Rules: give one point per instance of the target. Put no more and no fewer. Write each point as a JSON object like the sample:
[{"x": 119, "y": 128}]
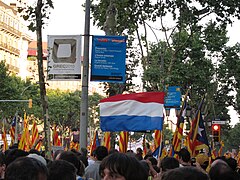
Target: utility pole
[
  {"x": 110, "y": 29},
  {"x": 42, "y": 83},
  {"x": 85, "y": 78}
]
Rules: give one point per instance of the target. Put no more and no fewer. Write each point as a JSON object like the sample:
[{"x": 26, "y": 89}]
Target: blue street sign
[
  {"x": 173, "y": 97},
  {"x": 108, "y": 58}
]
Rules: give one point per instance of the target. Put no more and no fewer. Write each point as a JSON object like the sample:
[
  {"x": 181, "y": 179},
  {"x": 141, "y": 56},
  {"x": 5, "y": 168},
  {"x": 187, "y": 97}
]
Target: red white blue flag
[{"x": 132, "y": 112}]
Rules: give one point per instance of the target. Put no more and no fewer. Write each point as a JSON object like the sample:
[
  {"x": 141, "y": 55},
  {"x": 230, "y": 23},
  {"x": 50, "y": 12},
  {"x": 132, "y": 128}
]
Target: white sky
[{"x": 67, "y": 18}]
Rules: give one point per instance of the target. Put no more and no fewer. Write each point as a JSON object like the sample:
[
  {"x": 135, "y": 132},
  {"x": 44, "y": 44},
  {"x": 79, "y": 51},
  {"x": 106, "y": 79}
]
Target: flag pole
[{"x": 160, "y": 145}]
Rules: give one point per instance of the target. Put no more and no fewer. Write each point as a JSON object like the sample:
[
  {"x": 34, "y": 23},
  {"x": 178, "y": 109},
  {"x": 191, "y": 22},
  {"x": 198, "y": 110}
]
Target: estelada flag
[
  {"x": 132, "y": 112},
  {"x": 95, "y": 142},
  {"x": 197, "y": 137}
]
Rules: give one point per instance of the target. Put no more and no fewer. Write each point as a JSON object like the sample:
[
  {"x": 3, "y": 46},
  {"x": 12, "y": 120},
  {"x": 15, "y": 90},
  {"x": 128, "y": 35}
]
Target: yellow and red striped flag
[
  {"x": 220, "y": 149},
  {"x": 12, "y": 130},
  {"x": 38, "y": 145},
  {"x": 178, "y": 134},
  {"x": 95, "y": 142},
  {"x": 106, "y": 141},
  {"x": 34, "y": 134},
  {"x": 56, "y": 139},
  {"x": 144, "y": 145},
  {"x": 123, "y": 141},
  {"x": 4, "y": 138},
  {"x": 25, "y": 137},
  {"x": 157, "y": 138},
  {"x": 74, "y": 145}
]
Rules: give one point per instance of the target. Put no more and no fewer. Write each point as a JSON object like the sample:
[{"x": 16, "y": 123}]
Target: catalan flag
[
  {"x": 12, "y": 130},
  {"x": 106, "y": 141},
  {"x": 220, "y": 149},
  {"x": 123, "y": 141},
  {"x": 38, "y": 145},
  {"x": 34, "y": 134},
  {"x": 25, "y": 137},
  {"x": 197, "y": 137},
  {"x": 160, "y": 150},
  {"x": 95, "y": 142},
  {"x": 178, "y": 134},
  {"x": 56, "y": 139},
  {"x": 157, "y": 138},
  {"x": 4, "y": 138}
]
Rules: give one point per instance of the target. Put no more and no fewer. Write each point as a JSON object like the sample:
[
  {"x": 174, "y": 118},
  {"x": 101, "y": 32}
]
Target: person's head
[
  {"x": 153, "y": 160},
  {"x": 61, "y": 170},
  {"x": 184, "y": 155},
  {"x": 168, "y": 163},
  {"x": 38, "y": 157},
  {"x": 34, "y": 151},
  {"x": 232, "y": 163},
  {"x": 123, "y": 167},
  {"x": 72, "y": 158},
  {"x": 56, "y": 153},
  {"x": 101, "y": 152},
  {"x": 26, "y": 168},
  {"x": 220, "y": 171},
  {"x": 84, "y": 151},
  {"x": 13, "y": 154},
  {"x": 139, "y": 151},
  {"x": 185, "y": 173}
]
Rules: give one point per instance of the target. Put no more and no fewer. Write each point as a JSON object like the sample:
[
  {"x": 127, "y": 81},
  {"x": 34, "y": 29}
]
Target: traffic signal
[
  {"x": 216, "y": 129},
  {"x": 30, "y": 103}
]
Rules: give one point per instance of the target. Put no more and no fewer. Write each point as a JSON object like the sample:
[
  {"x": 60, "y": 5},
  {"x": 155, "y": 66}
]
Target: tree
[
  {"x": 36, "y": 15},
  {"x": 192, "y": 52}
]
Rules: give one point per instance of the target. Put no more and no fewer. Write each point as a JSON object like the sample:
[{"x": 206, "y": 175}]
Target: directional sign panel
[
  {"x": 173, "y": 97},
  {"x": 108, "y": 58}
]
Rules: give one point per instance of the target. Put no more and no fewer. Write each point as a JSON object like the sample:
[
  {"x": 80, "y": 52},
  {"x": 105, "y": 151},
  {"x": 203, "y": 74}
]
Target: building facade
[
  {"x": 19, "y": 51},
  {"x": 13, "y": 40}
]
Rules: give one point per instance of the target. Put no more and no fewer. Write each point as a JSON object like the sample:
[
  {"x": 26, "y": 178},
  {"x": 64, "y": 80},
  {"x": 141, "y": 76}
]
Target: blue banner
[
  {"x": 108, "y": 58},
  {"x": 173, "y": 97}
]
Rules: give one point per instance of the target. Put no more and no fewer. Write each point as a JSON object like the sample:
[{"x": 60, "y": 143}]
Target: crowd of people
[{"x": 16, "y": 164}]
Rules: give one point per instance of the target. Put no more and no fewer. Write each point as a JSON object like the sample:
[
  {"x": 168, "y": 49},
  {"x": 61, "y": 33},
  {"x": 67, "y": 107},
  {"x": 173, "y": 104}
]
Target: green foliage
[
  {"x": 232, "y": 141},
  {"x": 31, "y": 13},
  {"x": 193, "y": 54}
]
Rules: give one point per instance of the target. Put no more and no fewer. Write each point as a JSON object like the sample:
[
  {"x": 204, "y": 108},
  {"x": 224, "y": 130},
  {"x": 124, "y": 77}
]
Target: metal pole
[
  {"x": 16, "y": 128},
  {"x": 84, "y": 97}
]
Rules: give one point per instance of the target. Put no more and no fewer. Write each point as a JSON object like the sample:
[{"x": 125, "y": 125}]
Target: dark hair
[
  {"x": 184, "y": 155},
  {"x": 221, "y": 171},
  {"x": 34, "y": 151},
  {"x": 25, "y": 168},
  {"x": 101, "y": 152},
  {"x": 56, "y": 153},
  {"x": 169, "y": 163},
  {"x": 13, "y": 154},
  {"x": 61, "y": 170},
  {"x": 125, "y": 165},
  {"x": 153, "y": 160},
  {"x": 232, "y": 163},
  {"x": 72, "y": 158},
  {"x": 185, "y": 173},
  {"x": 2, "y": 158}
]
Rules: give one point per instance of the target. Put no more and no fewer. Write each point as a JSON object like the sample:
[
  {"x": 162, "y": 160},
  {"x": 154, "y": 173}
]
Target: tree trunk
[{"x": 41, "y": 78}]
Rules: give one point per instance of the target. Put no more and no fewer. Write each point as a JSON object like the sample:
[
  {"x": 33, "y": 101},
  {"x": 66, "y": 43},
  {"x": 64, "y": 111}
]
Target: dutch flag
[{"x": 132, "y": 112}]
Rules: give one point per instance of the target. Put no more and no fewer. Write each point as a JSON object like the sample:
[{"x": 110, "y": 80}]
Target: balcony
[
  {"x": 10, "y": 49},
  {"x": 10, "y": 30},
  {"x": 13, "y": 68}
]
